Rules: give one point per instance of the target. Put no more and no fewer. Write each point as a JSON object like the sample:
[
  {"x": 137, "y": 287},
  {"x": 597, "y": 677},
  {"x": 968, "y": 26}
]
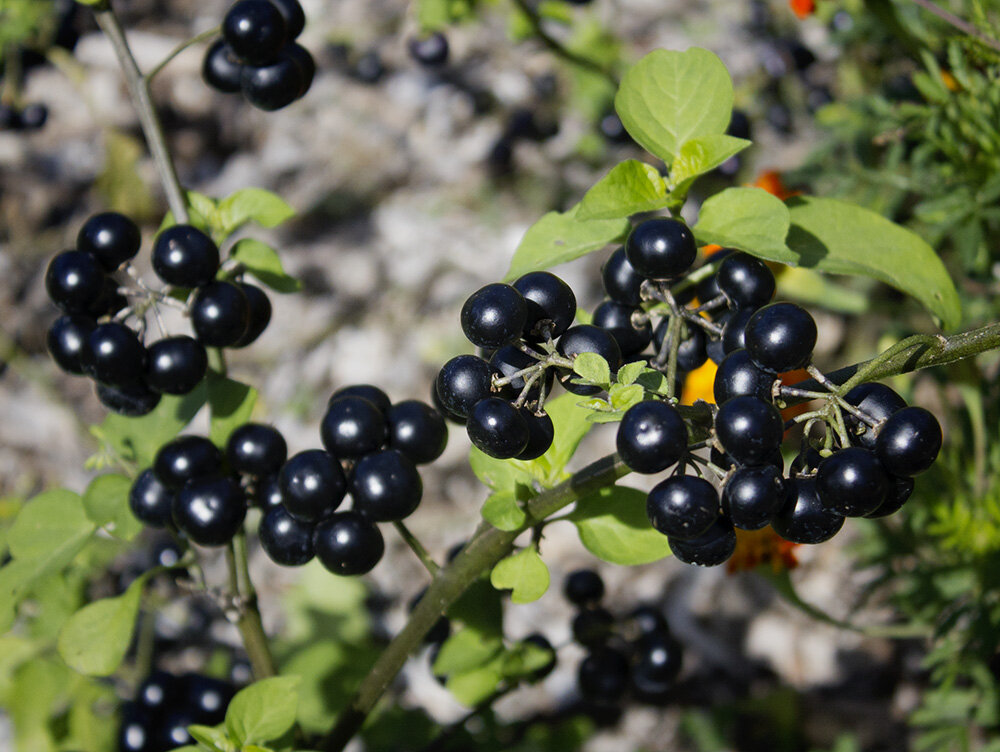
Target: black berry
[
  {"x": 875, "y": 400},
  {"x": 348, "y": 543},
  {"x": 256, "y": 449},
  {"x": 74, "y": 280},
  {"x": 150, "y": 501},
  {"x": 749, "y": 429},
  {"x": 651, "y": 437},
  {"x": 603, "y": 675},
  {"x": 803, "y": 518},
  {"x": 185, "y": 256},
  {"x": 221, "y": 69},
  {"x": 67, "y": 342},
  {"x": 780, "y": 337},
  {"x": 463, "y": 382},
  {"x": 494, "y": 315},
  {"x": 583, "y": 587},
  {"x": 691, "y": 353},
  {"x": 509, "y": 360},
  {"x": 497, "y": 428},
  {"x": 909, "y": 441},
  {"x": 752, "y": 495},
  {"x": 385, "y": 486},
  {"x": 287, "y": 541},
  {"x": 367, "y": 391},
  {"x": 114, "y": 355},
  {"x": 353, "y": 427},
  {"x": 592, "y": 339},
  {"x": 738, "y": 375},
  {"x": 551, "y": 304},
  {"x": 745, "y": 281},
  {"x": 260, "y": 313},
  {"x": 619, "y": 319},
  {"x": 417, "y": 430},
  {"x": 255, "y": 30},
  {"x": 622, "y": 282},
  {"x": 852, "y": 482},
  {"x": 220, "y": 314},
  {"x": 711, "y": 548},
  {"x": 593, "y": 626},
  {"x": 661, "y": 248},
  {"x": 295, "y": 17},
  {"x": 186, "y": 458},
  {"x": 176, "y": 365},
  {"x": 312, "y": 485},
  {"x": 210, "y": 512},
  {"x": 131, "y": 400},
  {"x": 273, "y": 85},
  {"x": 898, "y": 493},
  {"x": 683, "y": 507},
  {"x": 540, "y": 434},
  {"x": 113, "y": 238}
]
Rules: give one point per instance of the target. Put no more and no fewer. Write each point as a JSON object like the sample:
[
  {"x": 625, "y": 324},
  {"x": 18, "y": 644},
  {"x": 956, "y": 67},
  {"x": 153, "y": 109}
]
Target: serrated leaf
[
  {"x": 750, "y": 219},
  {"x": 669, "y": 97},
  {"x": 703, "y": 154},
  {"x": 840, "y": 238},
  {"x": 49, "y": 521},
  {"x": 622, "y": 397},
  {"x": 503, "y": 511},
  {"x": 263, "y": 262},
  {"x": 475, "y": 686},
  {"x": 466, "y": 650},
  {"x": 106, "y": 504},
  {"x": 629, "y": 372},
  {"x": 252, "y": 205},
  {"x": 593, "y": 368},
  {"x": 95, "y": 639},
  {"x": 631, "y": 187},
  {"x": 559, "y": 237},
  {"x": 524, "y": 573},
  {"x": 263, "y": 711},
  {"x": 612, "y": 525},
  {"x": 231, "y": 404}
]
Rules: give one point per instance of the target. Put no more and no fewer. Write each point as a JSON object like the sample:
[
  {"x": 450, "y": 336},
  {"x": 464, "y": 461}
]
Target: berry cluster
[
  {"x": 635, "y": 656},
  {"x": 29, "y": 118},
  {"x": 165, "y": 705},
  {"x": 258, "y": 56},
  {"x": 92, "y": 337}
]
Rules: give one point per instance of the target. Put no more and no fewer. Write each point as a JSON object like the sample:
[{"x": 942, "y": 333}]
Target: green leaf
[
  {"x": 476, "y": 686},
  {"x": 263, "y": 711},
  {"x": 622, "y": 397},
  {"x": 569, "y": 420},
  {"x": 613, "y": 526},
  {"x": 840, "y": 238},
  {"x": 523, "y": 659},
  {"x": 480, "y": 609},
  {"x": 631, "y": 187},
  {"x": 703, "y": 154},
  {"x": 668, "y": 98},
  {"x": 466, "y": 650},
  {"x": 106, "y": 504},
  {"x": 95, "y": 639},
  {"x": 231, "y": 403},
  {"x": 750, "y": 219},
  {"x": 503, "y": 511},
  {"x": 202, "y": 211},
  {"x": 263, "y": 262},
  {"x": 524, "y": 573},
  {"x": 50, "y": 521},
  {"x": 593, "y": 368},
  {"x": 629, "y": 372},
  {"x": 499, "y": 475},
  {"x": 560, "y": 237},
  {"x": 252, "y": 205},
  {"x": 213, "y": 737}
]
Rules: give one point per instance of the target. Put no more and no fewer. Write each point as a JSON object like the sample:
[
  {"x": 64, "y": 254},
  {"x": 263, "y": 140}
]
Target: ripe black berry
[
  {"x": 603, "y": 675},
  {"x": 74, "y": 280},
  {"x": 367, "y": 391},
  {"x": 497, "y": 428},
  {"x": 509, "y": 360},
  {"x": 210, "y": 512},
  {"x": 176, "y": 365},
  {"x": 852, "y": 482},
  {"x": 752, "y": 495},
  {"x": 613, "y": 129},
  {"x": 780, "y": 337},
  {"x": 255, "y": 30},
  {"x": 256, "y": 449},
  {"x": 593, "y": 626},
  {"x": 417, "y": 430},
  {"x": 34, "y": 116},
  {"x": 749, "y": 429},
  {"x": 745, "y": 281},
  {"x": 803, "y": 518},
  {"x": 312, "y": 485},
  {"x": 734, "y": 331},
  {"x": 385, "y": 486},
  {"x": 273, "y": 85},
  {"x": 909, "y": 442},
  {"x": 186, "y": 458},
  {"x": 260, "y": 313},
  {"x": 307, "y": 66},
  {"x": 593, "y": 339},
  {"x": 661, "y": 248},
  {"x": 651, "y": 437},
  {"x": 622, "y": 282},
  {"x": 185, "y": 256},
  {"x": 540, "y": 434},
  {"x": 114, "y": 355},
  {"x": 267, "y": 493},
  {"x": 683, "y": 506},
  {"x": 171, "y": 731},
  {"x": 348, "y": 543},
  {"x": 463, "y": 382},
  {"x": 150, "y": 501},
  {"x": 494, "y": 315},
  {"x": 221, "y": 69},
  {"x": 206, "y": 697},
  {"x": 113, "y": 238},
  {"x": 583, "y": 587},
  {"x": 656, "y": 662},
  {"x": 711, "y": 548},
  {"x": 220, "y": 314},
  {"x": 691, "y": 352},
  {"x": 431, "y": 50},
  {"x": 618, "y": 319},
  {"x": 134, "y": 734},
  {"x": 157, "y": 692},
  {"x": 353, "y": 427},
  {"x": 875, "y": 400},
  {"x": 67, "y": 342},
  {"x": 739, "y": 375},
  {"x": 132, "y": 400},
  {"x": 551, "y": 304},
  {"x": 645, "y": 620},
  {"x": 286, "y": 540},
  {"x": 295, "y": 17},
  {"x": 898, "y": 493}
]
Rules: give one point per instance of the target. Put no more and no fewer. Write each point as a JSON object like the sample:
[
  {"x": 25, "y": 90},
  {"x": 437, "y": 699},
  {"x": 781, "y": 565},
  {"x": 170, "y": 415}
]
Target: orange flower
[
  {"x": 770, "y": 181},
  {"x": 802, "y": 8},
  {"x": 711, "y": 249},
  {"x": 950, "y": 82},
  {"x": 762, "y": 548},
  {"x": 790, "y": 378},
  {"x": 699, "y": 384}
]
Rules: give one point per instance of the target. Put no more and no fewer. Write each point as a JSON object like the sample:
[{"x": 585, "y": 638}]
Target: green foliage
[
  {"x": 107, "y": 506},
  {"x": 613, "y": 525},
  {"x": 524, "y": 573},
  {"x": 264, "y": 711},
  {"x": 263, "y": 262},
  {"x": 631, "y": 187},
  {"x": 749, "y": 219},
  {"x": 231, "y": 403}
]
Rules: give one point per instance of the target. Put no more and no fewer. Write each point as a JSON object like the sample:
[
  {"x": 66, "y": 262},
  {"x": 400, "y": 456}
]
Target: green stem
[
  {"x": 417, "y": 547},
  {"x": 205, "y": 35},
  {"x": 959, "y": 23},
  {"x": 138, "y": 90},
  {"x": 248, "y": 621}
]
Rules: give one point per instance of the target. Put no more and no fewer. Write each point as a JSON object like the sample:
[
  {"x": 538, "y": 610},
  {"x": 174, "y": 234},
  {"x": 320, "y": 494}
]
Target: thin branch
[
  {"x": 959, "y": 23},
  {"x": 417, "y": 547},
  {"x": 204, "y": 36}
]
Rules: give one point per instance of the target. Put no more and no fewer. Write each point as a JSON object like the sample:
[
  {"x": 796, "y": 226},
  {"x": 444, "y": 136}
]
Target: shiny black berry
[
  {"x": 652, "y": 436},
  {"x": 286, "y": 540},
  {"x": 114, "y": 355},
  {"x": 551, "y": 304},
  {"x": 175, "y": 365},
  {"x": 366, "y": 391},
  {"x": 540, "y": 434},
  {"x": 622, "y": 282},
  {"x": 620, "y": 320},
  {"x": 463, "y": 382},
  {"x": 852, "y": 482},
  {"x": 875, "y": 400},
  {"x": 593, "y": 626},
  {"x": 734, "y": 330},
  {"x": 267, "y": 493},
  {"x": 661, "y": 248},
  {"x": 583, "y": 587},
  {"x": 803, "y": 518},
  {"x": 749, "y": 429},
  {"x": 348, "y": 543},
  {"x": 385, "y": 486},
  {"x": 497, "y": 428},
  {"x": 150, "y": 501},
  {"x": 74, "y": 280},
  {"x": 131, "y": 400},
  {"x": 745, "y": 281},
  {"x": 186, "y": 458},
  {"x": 738, "y": 375},
  {"x": 753, "y": 495},
  {"x": 353, "y": 427},
  {"x": 430, "y": 50},
  {"x": 780, "y": 337},
  {"x": 260, "y": 313},
  {"x": 711, "y": 548},
  {"x": 898, "y": 493},
  {"x": 646, "y": 619},
  {"x": 256, "y": 449},
  {"x": 185, "y": 256},
  {"x": 67, "y": 342},
  {"x": 206, "y": 697},
  {"x": 273, "y": 85},
  {"x": 312, "y": 485},
  {"x": 221, "y": 69},
  {"x": 220, "y": 314},
  {"x": 494, "y": 315},
  {"x": 210, "y": 512},
  {"x": 592, "y": 339},
  {"x": 295, "y": 17},
  {"x": 909, "y": 442},
  {"x": 656, "y": 663},
  {"x": 683, "y": 507},
  {"x": 417, "y": 430},
  {"x": 113, "y": 238},
  {"x": 255, "y": 30}
]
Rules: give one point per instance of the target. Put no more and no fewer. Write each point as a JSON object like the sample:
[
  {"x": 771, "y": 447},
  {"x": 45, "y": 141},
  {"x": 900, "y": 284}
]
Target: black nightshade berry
[
  {"x": 749, "y": 429},
  {"x": 312, "y": 485},
  {"x": 186, "y": 458},
  {"x": 494, "y": 315},
  {"x": 909, "y": 442},
  {"x": 661, "y": 248},
  {"x": 498, "y": 428},
  {"x": 551, "y": 304},
  {"x": 780, "y": 337},
  {"x": 711, "y": 548},
  {"x": 583, "y": 587},
  {"x": 803, "y": 518},
  {"x": 353, "y": 427},
  {"x": 348, "y": 543},
  {"x": 652, "y": 436},
  {"x": 185, "y": 256},
  {"x": 150, "y": 501},
  {"x": 74, "y": 280},
  {"x": 417, "y": 430},
  {"x": 463, "y": 382},
  {"x": 256, "y": 449},
  {"x": 67, "y": 342},
  {"x": 385, "y": 486},
  {"x": 286, "y": 540},
  {"x": 210, "y": 512},
  {"x": 220, "y": 314},
  {"x": 683, "y": 507},
  {"x": 176, "y": 365},
  {"x": 113, "y": 238},
  {"x": 852, "y": 482},
  {"x": 622, "y": 282}
]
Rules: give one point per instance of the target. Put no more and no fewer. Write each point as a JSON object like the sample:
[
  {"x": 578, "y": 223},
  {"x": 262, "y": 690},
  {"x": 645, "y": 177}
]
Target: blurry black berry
[
  {"x": 34, "y": 116},
  {"x": 295, "y": 17},
  {"x": 132, "y": 400},
  {"x": 749, "y": 429},
  {"x": 113, "y": 238},
  {"x": 67, "y": 341},
  {"x": 260, "y": 313},
  {"x": 494, "y": 315},
  {"x": 286, "y": 540},
  {"x": 171, "y": 730},
  {"x": 74, "y": 280},
  {"x": 711, "y": 548},
  {"x": 206, "y": 697},
  {"x": 221, "y": 69},
  {"x": 220, "y": 314},
  {"x": 738, "y": 375},
  {"x": 779, "y": 117},
  {"x": 417, "y": 430},
  {"x": 540, "y": 641},
  {"x": 135, "y": 734},
  {"x": 780, "y": 337},
  {"x": 385, "y": 486},
  {"x": 803, "y": 518},
  {"x": 551, "y": 304},
  {"x": 498, "y": 428},
  {"x": 210, "y": 512},
  {"x": 348, "y": 543},
  {"x": 187, "y": 458},
  {"x": 909, "y": 442},
  {"x": 646, "y": 619},
  {"x": 463, "y": 382},
  {"x": 622, "y": 282},
  {"x": 661, "y": 248},
  {"x": 273, "y": 85},
  {"x": 593, "y": 626},
  {"x": 739, "y": 125},
  {"x": 852, "y": 482},
  {"x": 176, "y": 365},
  {"x": 618, "y": 319},
  {"x": 656, "y": 663},
  {"x": 652, "y": 436},
  {"x": 540, "y": 434},
  {"x": 583, "y": 587},
  {"x": 613, "y": 129},
  {"x": 255, "y": 30},
  {"x": 158, "y": 692},
  {"x": 368, "y": 68},
  {"x": 256, "y": 449},
  {"x": 114, "y": 355},
  {"x": 430, "y": 50},
  {"x": 752, "y": 495},
  {"x": 312, "y": 485},
  {"x": 683, "y": 507},
  {"x": 185, "y": 256},
  {"x": 150, "y": 501},
  {"x": 603, "y": 675},
  {"x": 306, "y": 65}
]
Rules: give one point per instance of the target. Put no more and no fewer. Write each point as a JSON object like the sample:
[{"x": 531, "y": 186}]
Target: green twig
[
  {"x": 205, "y": 35},
  {"x": 417, "y": 547},
  {"x": 248, "y": 620}
]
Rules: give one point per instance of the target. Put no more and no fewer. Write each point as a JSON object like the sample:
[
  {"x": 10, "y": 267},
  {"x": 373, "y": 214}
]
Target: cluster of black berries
[
  {"x": 631, "y": 657},
  {"x": 92, "y": 338},
  {"x": 258, "y": 55},
  {"x": 525, "y": 330},
  {"x": 165, "y": 705},
  {"x": 29, "y": 118}
]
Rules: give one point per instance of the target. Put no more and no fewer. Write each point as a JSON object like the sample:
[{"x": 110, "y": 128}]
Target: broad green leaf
[
  {"x": 466, "y": 650},
  {"x": 669, "y": 97},
  {"x": 613, "y": 526},
  {"x": 700, "y": 155},
  {"x": 750, "y": 219},
  {"x": 480, "y": 609},
  {"x": 231, "y": 404},
  {"x": 48, "y": 522},
  {"x": 213, "y": 737},
  {"x": 523, "y": 659},
  {"x": 560, "y": 237},
  {"x": 263, "y": 262},
  {"x": 812, "y": 288},
  {"x": 524, "y": 573},
  {"x": 631, "y": 187},
  {"x": 622, "y": 397},
  {"x": 95, "y": 639},
  {"x": 503, "y": 511},
  {"x": 252, "y": 205},
  {"x": 476, "y": 686},
  {"x": 201, "y": 211},
  {"x": 499, "y": 475},
  {"x": 106, "y": 504},
  {"x": 840, "y": 238},
  {"x": 593, "y": 368},
  {"x": 263, "y": 711},
  {"x": 629, "y": 372}
]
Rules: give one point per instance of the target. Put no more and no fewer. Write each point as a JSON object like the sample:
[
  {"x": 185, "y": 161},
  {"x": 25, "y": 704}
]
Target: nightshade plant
[{"x": 860, "y": 445}]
